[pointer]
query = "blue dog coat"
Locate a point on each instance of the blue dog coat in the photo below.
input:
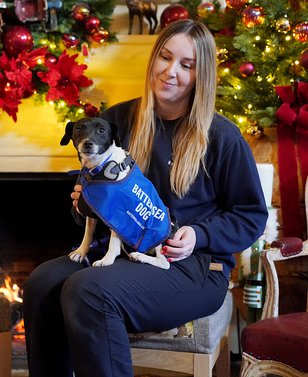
(131, 207)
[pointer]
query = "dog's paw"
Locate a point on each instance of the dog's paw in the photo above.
(135, 256)
(160, 262)
(76, 257)
(106, 261)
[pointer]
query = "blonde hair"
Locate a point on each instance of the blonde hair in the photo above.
(191, 138)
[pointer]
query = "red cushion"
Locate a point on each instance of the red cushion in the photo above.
(284, 339)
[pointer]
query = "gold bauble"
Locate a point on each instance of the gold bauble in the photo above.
(283, 25)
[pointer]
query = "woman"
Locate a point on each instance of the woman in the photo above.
(77, 317)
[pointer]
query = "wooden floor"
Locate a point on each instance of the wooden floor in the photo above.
(142, 372)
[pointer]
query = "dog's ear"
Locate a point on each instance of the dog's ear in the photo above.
(68, 133)
(115, 135)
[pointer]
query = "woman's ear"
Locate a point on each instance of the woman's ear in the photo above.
(68, 133)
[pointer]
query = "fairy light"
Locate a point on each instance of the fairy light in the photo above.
(257, 38)
(259, 79)
(226, 70)
(296, 62)
(44, 42)
(80, 111)
(288, 38)
(249, 106)
(52, 46)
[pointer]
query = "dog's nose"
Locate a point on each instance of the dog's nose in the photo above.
(88, 144)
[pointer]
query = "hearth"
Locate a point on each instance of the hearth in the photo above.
(35, 225)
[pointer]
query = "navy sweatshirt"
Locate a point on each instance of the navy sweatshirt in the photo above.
(226, 207)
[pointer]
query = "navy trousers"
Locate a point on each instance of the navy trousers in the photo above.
(77, 317)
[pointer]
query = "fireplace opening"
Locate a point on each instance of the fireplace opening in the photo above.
(35, 225)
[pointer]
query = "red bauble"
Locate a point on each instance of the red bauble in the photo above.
(173, 13)
(92, 23)
(70, 40)
(247, 69)
(80, 11)
(31, 11)
(90, 110)
(50, 58)
(236, 4)
(205, 9)
(304, 59)
(300, 32)
(253, 16)
(17, 39)
(99, 35)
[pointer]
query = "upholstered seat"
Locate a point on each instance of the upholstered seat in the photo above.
(286, 340)
(278, 344)
(193, 348)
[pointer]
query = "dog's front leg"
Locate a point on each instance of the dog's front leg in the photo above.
(114, 251)
(79, 254)
(158, 261)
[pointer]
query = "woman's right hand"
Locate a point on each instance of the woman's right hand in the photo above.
(75, 195)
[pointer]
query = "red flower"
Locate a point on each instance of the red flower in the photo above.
(32, 58)
(65, 78)
(9, 99)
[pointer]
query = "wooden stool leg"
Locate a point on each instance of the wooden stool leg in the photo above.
(5, 354)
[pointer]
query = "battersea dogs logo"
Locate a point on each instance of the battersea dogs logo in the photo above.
(145, 208)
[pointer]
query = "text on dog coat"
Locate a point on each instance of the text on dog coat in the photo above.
(146, 208)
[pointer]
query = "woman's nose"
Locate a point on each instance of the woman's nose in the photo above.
(172, 68)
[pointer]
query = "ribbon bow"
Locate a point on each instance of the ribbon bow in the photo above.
(294, 109)
(292, 133)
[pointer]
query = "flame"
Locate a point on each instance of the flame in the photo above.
(11, 291)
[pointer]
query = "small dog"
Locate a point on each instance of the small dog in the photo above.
(104, 161)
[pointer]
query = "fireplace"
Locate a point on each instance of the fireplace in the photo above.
(35, 225)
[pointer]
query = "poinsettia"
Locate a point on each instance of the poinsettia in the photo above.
(32, 58)
(16, 79)
(9, 99)
(65, 78)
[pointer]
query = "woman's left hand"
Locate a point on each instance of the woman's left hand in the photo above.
(181, 245)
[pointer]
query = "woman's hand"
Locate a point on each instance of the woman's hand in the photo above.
(75, 195)
(181, 245)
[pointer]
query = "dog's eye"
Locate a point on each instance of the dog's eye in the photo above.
(101, 130)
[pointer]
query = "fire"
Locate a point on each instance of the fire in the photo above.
(11, 291)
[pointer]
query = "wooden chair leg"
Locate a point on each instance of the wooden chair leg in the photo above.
(223, 364)
(5, 354)
(203, 365)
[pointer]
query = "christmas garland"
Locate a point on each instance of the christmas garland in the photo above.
(43, 45)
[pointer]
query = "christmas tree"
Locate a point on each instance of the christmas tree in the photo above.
(261, 45)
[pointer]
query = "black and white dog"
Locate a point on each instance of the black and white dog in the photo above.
(103, 160)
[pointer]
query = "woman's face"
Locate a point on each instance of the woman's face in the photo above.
(174, 72)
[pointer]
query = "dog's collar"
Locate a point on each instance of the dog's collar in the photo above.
(97, 169)
(109, 169)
